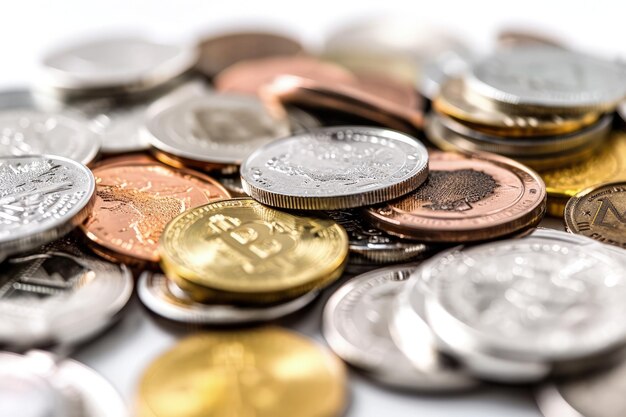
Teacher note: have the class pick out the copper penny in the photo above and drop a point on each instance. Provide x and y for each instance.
(599, 212)
(135, 201)
(466, 198)
(247, 77)
(219, 52)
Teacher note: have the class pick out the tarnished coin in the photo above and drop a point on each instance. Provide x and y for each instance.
(546, 79)
(165, 298)
(268, 372)
(219, 52)
(41, 199)
(241, 251)
(598, 212)
(335, 168)
(134, 202)
(465, 198)
(214, 129)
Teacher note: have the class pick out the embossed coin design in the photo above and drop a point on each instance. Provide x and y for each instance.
(41, 199)
(268, 372)
(335, 168)
(246, 252)
(134, 202)
(599, 213)
(466, 198)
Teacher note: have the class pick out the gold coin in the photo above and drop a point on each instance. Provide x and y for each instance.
(607, 165)
(453, 101)
(251, 253)
(599, 212)
(267, 372)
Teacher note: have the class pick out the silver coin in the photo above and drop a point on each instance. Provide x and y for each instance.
(445, 65)
(549, 78)
(547, 299)
(166, 299)
(38, 384)
(59, 295)
(215, 128)
(335, 168)
(114, 65)
(41, 199)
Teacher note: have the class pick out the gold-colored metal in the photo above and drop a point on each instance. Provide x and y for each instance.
(268, 372)
(242, 251)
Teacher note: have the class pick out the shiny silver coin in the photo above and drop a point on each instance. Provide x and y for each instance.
(118, 65)
(38, 384)
(335, 168)
(59, 295)
(166, 299)
(301, 121)
(548, 79)
(447, 64)
(369, 245)
(550, 301)
(215, 128)
(41, 199)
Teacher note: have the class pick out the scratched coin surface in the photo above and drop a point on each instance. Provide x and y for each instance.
(134, 202)
(266, 372)
(466, 198)
(251, 251)
(41, 199)
(335, 168)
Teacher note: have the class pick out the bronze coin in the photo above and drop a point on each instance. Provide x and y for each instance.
(135, 201)
(219, 52)
(466, 198)
(599, 212)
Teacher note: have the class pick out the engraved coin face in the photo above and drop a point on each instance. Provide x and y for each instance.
(334, 168)
(465, 198)
(221, 129)
(41, 199)
(134, 202)
(541, 77)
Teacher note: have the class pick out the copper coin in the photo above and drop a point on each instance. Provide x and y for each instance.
(219, 52)
(466, 198)
(599, 212)
(135, 201)
(516, 37)
(247, 77)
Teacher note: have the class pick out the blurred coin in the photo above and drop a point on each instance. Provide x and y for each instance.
(221, 51)
(301, 121)
(239, 251)
(233, 184)
(465, 198)
(442, 67)
(335, 168)
(134, 202)
(41, 199)
(514, 37)
(166, 299)
(115, 65)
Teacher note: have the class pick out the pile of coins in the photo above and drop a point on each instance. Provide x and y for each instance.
(238, 179)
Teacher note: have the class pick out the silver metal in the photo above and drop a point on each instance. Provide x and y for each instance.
(41, 199)
(335, 168)
(166, 299)
(59, 295)
(215, 128)
(447, 64)
(301, 121)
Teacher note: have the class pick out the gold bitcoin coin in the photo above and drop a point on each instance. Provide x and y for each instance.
(267, 372)
(240, 250)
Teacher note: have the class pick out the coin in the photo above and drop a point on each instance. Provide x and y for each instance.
(166, 299)
(301, 121)
(41, 199)
(59, 295)
(219, 52)
(335, 168)
(246, 252)
(466, 198)
(134, 202)
(545, 79)
(116, 65)
(215, 129)
(514, 37)
(267, 372)
(233, 184)
(452, 101)
(597, 212)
